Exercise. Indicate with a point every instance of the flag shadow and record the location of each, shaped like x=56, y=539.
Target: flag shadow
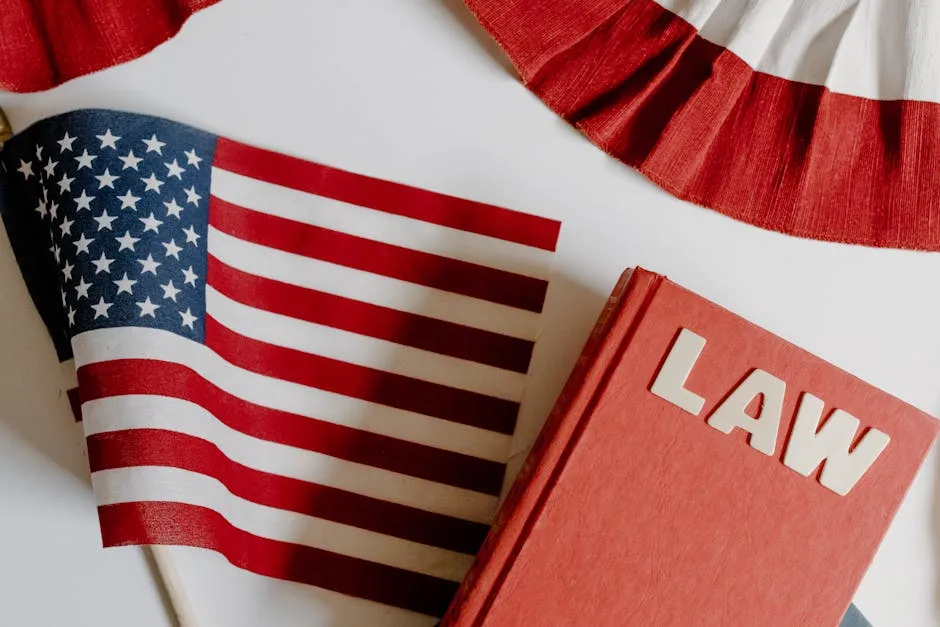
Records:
x=33, y=405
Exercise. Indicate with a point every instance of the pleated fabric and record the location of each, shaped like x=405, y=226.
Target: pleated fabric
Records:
x=47, y=42
x=806, y=117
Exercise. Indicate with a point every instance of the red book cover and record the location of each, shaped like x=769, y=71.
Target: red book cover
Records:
x=696, y=470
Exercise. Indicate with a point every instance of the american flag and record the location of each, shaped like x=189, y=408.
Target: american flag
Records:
x=315, y=373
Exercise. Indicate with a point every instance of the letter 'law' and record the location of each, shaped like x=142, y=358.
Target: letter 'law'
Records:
x=808, y=445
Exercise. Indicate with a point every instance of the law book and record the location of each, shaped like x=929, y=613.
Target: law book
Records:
x=696, y=470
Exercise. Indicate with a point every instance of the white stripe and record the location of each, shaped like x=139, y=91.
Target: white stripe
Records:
x=159, y=412
x=363, y=350
x=143, y=343
x=149, y=483
x=371, y=288
x=883, y=50
x=379, y=226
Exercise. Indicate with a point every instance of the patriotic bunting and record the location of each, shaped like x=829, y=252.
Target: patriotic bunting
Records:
x=818, y=119
x=47, y=42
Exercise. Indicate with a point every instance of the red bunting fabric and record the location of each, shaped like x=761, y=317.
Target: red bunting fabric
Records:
x=813, y=119
x=47, y=42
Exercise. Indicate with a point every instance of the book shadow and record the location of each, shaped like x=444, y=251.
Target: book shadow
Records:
x=571, y=310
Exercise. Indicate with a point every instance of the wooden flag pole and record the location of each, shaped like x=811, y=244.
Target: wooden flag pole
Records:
x=171, y=584
x=6, y=131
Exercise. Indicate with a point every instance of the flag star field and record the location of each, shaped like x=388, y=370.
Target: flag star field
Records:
x=124, y=209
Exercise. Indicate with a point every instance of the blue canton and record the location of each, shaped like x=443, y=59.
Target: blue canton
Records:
x=117, y=204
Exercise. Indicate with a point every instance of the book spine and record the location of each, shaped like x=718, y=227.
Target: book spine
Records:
x=470, y=604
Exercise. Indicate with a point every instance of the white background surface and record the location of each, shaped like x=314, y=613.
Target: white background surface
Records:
x=412, y=91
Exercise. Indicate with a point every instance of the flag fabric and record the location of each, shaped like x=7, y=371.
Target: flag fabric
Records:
x=47, y=42
x=313, y=372
x=781, y=114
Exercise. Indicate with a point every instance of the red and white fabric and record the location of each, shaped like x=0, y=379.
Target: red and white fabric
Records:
x=814, y=118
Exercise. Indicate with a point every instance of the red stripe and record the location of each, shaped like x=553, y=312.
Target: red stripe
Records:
x=368, y=384
x=155, y=447
x=190, y=525
x=386, y=196
x=642, y=84
x=431, y=334
x=443, y=273
x=142, y=376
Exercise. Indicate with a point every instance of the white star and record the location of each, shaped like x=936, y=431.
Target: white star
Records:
x=56, y=252
x=192, y=196
x=170, y=291
x=192, y=237
x=173, y=209
x=127, y=242
x=174, y=169
x=66, y=227
x=101, y=309
x=65, y=184
x=192, y=158
x=172, y=250
x=108, y=139
x=50, y=167
x=151, y=223
x=67, y=270
x=83, y=201
x=81, y=244
x=71, y=316
x=63, y=297
x=152, y=183
x=148, y=308
x=104, y=220
x=124, y=285
x=130, y=161
x=26, y=169
x=189, y=277
x=188, y=318
x=41, y=208
x=38, y=152
x=107, y=179
x=154, y=144
x=102, y=264
x=66, y=142
x=53, y=210
x=82, y=288
x=129, y=200
x=149, y=265
x=85, y=159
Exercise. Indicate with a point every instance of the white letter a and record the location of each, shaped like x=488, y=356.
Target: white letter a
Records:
x=733, y=411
